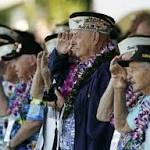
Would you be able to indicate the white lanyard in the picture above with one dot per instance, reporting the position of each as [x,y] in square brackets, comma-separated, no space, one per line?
[11,121]
[50,131]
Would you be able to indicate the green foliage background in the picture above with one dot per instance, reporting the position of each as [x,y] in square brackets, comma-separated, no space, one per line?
[53,11]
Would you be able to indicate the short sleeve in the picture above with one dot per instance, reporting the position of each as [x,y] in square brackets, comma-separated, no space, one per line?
[36,112]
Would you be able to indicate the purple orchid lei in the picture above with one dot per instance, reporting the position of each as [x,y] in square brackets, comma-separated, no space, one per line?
[79,71]
[76,71]
[142,120]
[21,94]
[70,80]
[131,97]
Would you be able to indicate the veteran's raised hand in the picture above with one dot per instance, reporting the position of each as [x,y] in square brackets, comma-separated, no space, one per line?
[64,44]
[118,73]
[38,82]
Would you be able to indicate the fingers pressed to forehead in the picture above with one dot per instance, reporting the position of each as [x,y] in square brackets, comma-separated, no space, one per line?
[66,35]
[44,55]
[60,35]
[115,59]
[74,36]
[45,48]
[70,35]
[40,55]
[63,35]
[44,58]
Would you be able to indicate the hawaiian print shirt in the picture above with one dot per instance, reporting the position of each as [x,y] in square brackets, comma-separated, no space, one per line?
[19,107]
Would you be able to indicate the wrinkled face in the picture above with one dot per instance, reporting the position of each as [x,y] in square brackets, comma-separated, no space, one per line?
[83,43]
[9,71]
[24,68]
[140,76]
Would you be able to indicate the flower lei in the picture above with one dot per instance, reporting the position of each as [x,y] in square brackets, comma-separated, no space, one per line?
[131,97]
[21,94]
[69,82]
[76,71]
[142,120]
[83,76]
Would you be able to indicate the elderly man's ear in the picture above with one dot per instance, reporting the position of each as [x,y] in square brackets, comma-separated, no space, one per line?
[95,37]
[99,38]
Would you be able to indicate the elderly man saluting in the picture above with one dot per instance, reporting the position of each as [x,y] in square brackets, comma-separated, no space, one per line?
[86,80]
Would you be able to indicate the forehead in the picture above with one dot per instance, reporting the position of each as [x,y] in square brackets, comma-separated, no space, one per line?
[134,64]
[20,58]
[139,65]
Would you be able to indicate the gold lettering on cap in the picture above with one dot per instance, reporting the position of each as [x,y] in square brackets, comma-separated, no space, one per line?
[146,56]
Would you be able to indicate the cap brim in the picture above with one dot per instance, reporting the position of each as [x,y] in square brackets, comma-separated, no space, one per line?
[124,63]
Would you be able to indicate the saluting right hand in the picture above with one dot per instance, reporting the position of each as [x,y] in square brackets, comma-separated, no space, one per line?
[118,74]
[37,82]
[64,44]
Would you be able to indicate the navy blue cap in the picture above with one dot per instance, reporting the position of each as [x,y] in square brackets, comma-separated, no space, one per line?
[142,54]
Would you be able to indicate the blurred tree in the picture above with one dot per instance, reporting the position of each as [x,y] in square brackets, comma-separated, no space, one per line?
[51,11]
[4,17]
[5,11]
[58,11]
